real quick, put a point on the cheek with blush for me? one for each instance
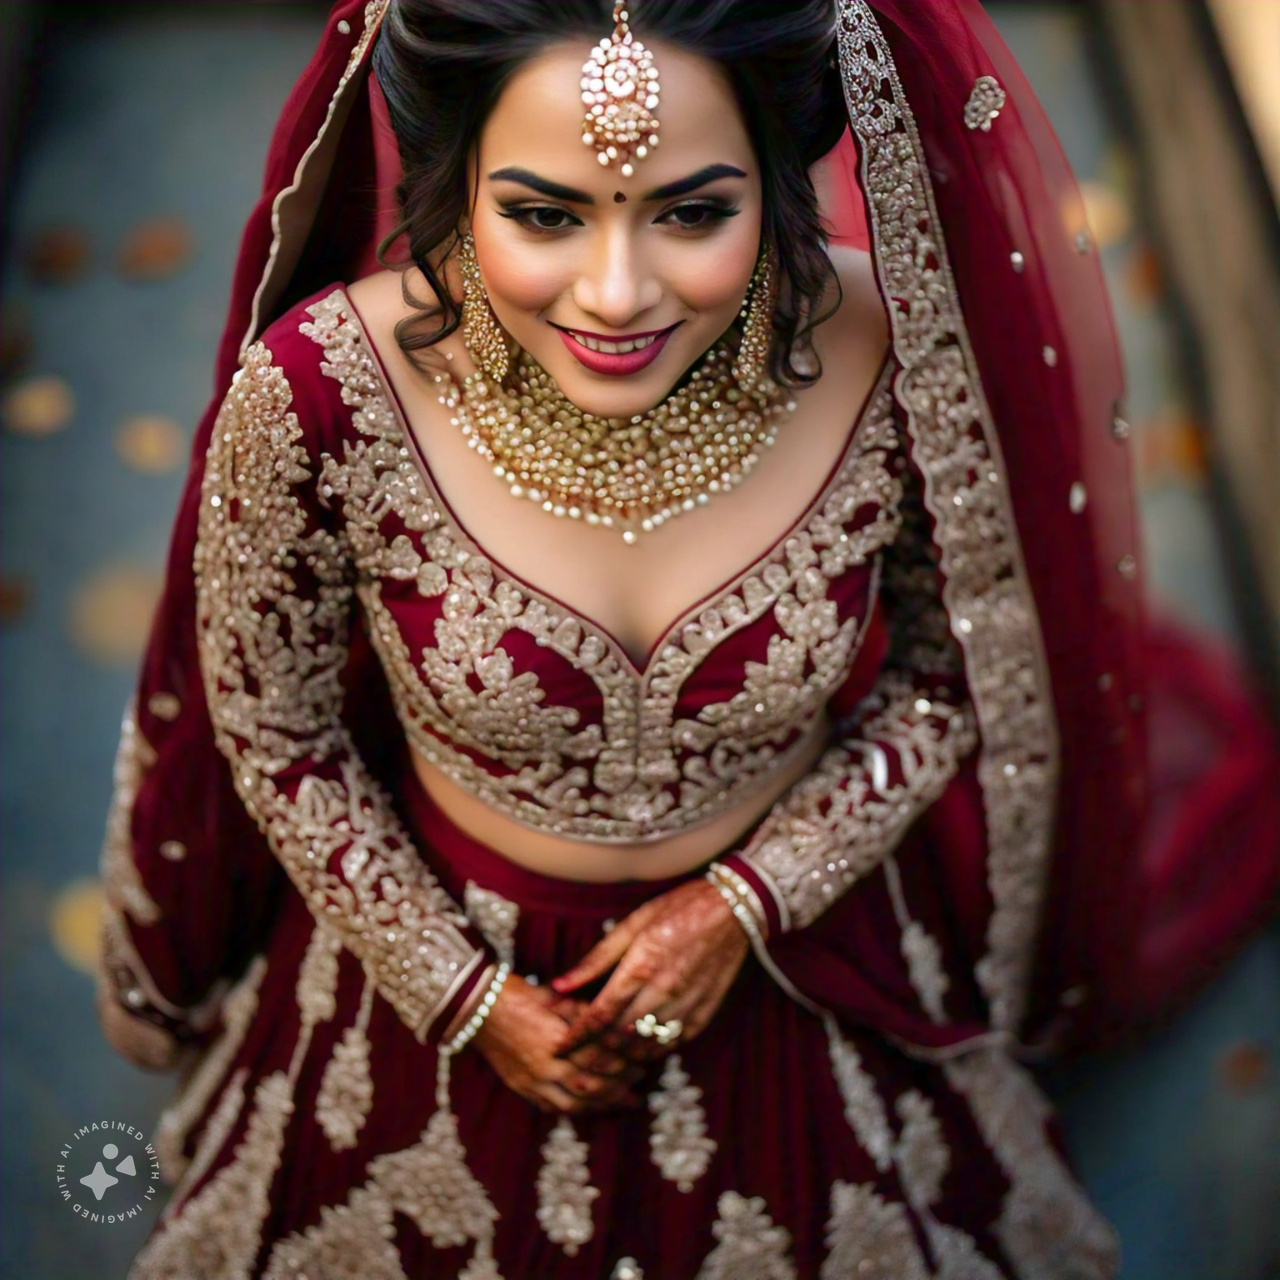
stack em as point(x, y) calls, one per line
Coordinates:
point(712, 280)
point(521, 283)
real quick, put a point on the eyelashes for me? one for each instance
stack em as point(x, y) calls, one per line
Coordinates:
point(692, 215)
point(533, 217)
point(708, 213)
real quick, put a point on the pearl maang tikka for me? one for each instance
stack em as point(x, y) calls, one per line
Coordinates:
point(620, 90)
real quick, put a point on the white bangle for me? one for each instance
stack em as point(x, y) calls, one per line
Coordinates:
point(738, 892)
point(741, 912)
point(473, 1024)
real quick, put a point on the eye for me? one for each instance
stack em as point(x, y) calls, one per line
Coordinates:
point(542, 217)
point(698, 215)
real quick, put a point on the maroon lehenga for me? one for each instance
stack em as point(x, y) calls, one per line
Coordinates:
point(951, 889)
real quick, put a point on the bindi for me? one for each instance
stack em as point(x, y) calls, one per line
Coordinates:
point(619, 198)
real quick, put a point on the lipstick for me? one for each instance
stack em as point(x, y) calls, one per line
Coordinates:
point(601, 352)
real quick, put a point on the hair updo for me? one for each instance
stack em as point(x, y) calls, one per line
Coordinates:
point(442, 64)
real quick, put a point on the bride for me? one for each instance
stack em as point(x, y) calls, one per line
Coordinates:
point(641, 734)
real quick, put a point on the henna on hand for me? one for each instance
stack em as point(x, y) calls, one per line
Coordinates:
point(675, 956)
point(520, 1039)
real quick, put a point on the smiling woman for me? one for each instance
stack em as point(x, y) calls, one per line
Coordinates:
point(623, 618)
point(570, 273)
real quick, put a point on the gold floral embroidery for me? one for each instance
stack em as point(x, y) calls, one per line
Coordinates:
point(429, 1183)
point(920, 1153)
point(845, 818)
point(121, 882)
point(213, 1137)
point(869, 1237)
point(864, 1109)
point(922, 1160)
point(749, 1243)
point(353, 1241)
point(678, 1140)
point(955, 444)
point(345, 1097)
point(642, 771)
point(273, 596)
point(218, 1232)
point(839, 821)
point(316, 990)
point(196, 1091)
point(986, 100)
point(496, 918)
point(919, 949)
point(164, 706)
point(565, 1192)
point(1047, 1225)
point(956, 1254)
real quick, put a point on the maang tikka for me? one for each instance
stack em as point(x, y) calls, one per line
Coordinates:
point(620, 92)
point(483, 334)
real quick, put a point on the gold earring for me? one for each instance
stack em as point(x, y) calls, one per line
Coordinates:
point(480, 328)
point(751, 366)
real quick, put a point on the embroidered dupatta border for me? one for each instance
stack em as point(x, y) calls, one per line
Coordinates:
point(374, 12)
point(954, 442)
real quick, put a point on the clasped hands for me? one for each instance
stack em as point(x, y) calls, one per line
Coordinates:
point(674, 958)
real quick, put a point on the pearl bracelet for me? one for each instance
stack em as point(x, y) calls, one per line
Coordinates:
point(473, 1024)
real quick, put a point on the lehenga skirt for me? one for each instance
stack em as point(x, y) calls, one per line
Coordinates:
point(317, 1138)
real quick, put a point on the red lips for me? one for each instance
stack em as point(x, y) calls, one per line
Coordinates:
point(615, 364)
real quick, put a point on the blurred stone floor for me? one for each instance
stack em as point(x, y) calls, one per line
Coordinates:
point(140, 165)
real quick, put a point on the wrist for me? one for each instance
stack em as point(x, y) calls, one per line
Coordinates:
point(741, 899)
point(466, 1025)
point(757, 890)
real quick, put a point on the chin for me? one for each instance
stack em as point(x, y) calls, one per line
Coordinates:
point(592, 394)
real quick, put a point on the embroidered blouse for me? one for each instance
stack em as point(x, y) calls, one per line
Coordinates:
point(315, 500)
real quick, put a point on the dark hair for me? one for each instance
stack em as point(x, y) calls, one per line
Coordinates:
point(442, 65)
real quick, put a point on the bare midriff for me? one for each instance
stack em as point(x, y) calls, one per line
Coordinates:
point(598, 863)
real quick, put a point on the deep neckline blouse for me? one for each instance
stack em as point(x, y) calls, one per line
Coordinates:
point(721, 591)
point(534, 708)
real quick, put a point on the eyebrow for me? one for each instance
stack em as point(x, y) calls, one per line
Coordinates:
point(556, 191)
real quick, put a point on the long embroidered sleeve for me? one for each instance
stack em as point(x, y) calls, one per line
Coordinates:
point(275, 590)
point(892, 757)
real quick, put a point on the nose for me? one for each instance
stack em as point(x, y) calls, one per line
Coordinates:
point(617, 283)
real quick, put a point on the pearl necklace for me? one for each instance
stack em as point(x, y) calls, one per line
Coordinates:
point(631, 474)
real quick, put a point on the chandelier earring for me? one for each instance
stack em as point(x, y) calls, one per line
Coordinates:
point(481, 331)
point(751, 367)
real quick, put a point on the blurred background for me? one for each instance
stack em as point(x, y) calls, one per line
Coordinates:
point(133, 137)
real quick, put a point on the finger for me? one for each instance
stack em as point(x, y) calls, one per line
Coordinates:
point(557, 1098)
point(602, 957)
point(600, 1061)
point(619, 994)
point(625, 1044)
point(595, 1092)
point(696, 1023)
point(587, 1087)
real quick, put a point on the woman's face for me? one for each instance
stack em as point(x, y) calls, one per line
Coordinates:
point(576, 256)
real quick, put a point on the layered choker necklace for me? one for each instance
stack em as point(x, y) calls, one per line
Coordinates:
point(629, 474)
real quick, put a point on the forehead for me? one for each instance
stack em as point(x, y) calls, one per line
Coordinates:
point(537, 122)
